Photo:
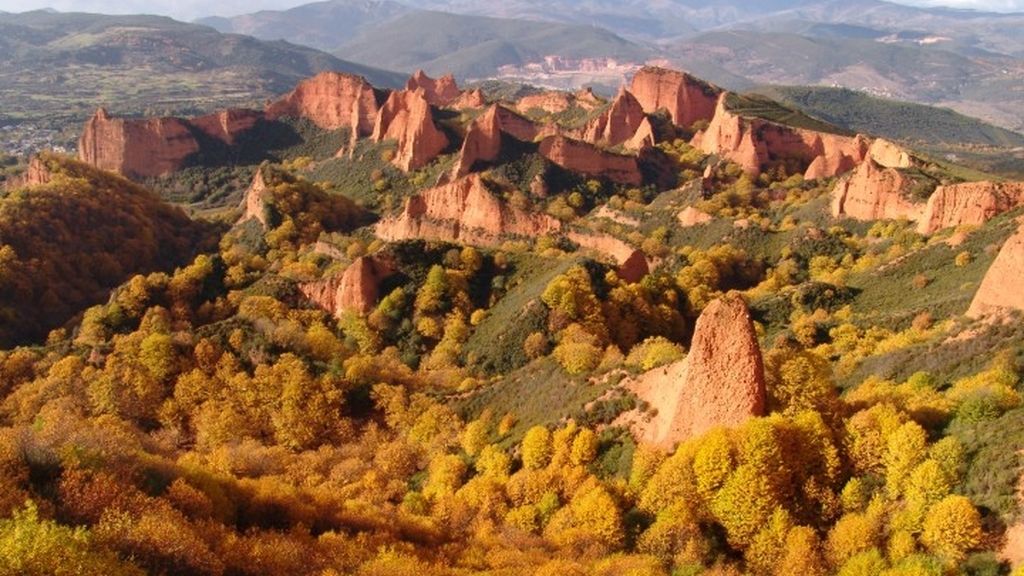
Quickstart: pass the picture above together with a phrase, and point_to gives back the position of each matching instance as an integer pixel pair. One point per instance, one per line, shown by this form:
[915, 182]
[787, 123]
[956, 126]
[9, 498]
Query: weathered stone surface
[1002, 288]
[873, 192]
[687, 99]
[441, 92]
[719, 383]
[753, 142]
[406, 118]
[890, 155]
[643, 137]
[254, 201]
[632, 263]
[691, 216]
[469, 99]
[463, 211]
[585, 158]
[136, 148]
[971, 203]
[618, 124]
[355, 290]
[331, 100]
[482, 142]
[35, 174]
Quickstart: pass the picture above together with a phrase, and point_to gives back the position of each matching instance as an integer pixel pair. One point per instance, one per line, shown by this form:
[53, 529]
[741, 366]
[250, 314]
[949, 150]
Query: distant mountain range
[56, 67]
[970, 61]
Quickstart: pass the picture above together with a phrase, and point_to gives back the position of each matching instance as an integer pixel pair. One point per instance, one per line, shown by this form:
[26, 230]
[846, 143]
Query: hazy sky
[190, 9]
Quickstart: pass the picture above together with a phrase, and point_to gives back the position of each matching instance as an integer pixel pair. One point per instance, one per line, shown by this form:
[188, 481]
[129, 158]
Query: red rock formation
[552, 102]
[691, 216]
[406, 117]
[469, 99]
[155, 146]
[35, 174]
[581, 157]
[482, 142]
[226, 125]
[872, 192]
[355, 290]
[971, 203]
[462, 211]
[687, 99]
[889, 155]
[1000, 290]
[441, 92]
[331, 100]
[136, 148]
[586, 99]
[754, 142]
[618, 123]
[633, 264]
[254, 202]
[643, 137]
[720, 383]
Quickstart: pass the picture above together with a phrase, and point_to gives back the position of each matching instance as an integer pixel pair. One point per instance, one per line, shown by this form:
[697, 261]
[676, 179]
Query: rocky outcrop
[136, 148]
[331, 100]
[1000, 290]
[587, 159]
[355, 290]
[618, 124]
[254, 201]
[971, 203]
[469, 99]
[440, 92]
[754, 142]
[463, 211]
[720, 383]
[227, 125]
[643, 137]
[691, 216]
[35, 174]
[482, 142]
[687, 99]
[873, 192]
[406, 118]
[890, 155]
[632, 263]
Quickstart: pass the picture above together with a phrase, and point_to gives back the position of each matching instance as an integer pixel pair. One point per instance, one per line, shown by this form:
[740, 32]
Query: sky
[191, 9]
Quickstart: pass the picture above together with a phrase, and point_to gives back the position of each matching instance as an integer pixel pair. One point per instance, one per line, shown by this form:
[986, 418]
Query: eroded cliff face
[331, 100]
[482, 142]
[254, 201]
[687, 99]
[874, 192]
[970, 203]
[463, 211]
[618, 124]
[356, 290]
[753, 143]
[587, 159]
[136, 148]
[719, 383]
[140, 148]
[632, 263]
[440, 92]
[556, 101]
[406, 118]
[36, 174]
[1001, 289]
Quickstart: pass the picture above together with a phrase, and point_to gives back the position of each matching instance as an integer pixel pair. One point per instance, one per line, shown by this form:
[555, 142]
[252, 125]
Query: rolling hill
[56, 68]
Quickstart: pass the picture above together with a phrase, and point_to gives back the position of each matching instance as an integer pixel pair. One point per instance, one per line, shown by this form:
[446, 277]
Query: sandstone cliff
[406, 118]
[440, 92]
[632, 263]
[463, 211]
[754, 142]
[691, 216]
[587, 159]
[643, 137]
[254, 201]
[331, 100]
[136, 148]
[1000, 290]
[971, 203]
[482, 142]
[687, 99]
[873, 192]
[618, 124]
[355, 290]
[35, 174]
[720, 383]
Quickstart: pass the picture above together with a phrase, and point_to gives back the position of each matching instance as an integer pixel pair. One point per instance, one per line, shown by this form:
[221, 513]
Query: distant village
[27, 139]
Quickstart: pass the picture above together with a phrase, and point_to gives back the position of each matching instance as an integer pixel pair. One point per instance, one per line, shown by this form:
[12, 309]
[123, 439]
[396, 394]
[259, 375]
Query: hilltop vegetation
[67, 242]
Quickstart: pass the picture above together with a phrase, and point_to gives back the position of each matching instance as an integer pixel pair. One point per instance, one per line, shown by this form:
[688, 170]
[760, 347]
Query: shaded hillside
[473, 46]
[58, 67]
[68, 241]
